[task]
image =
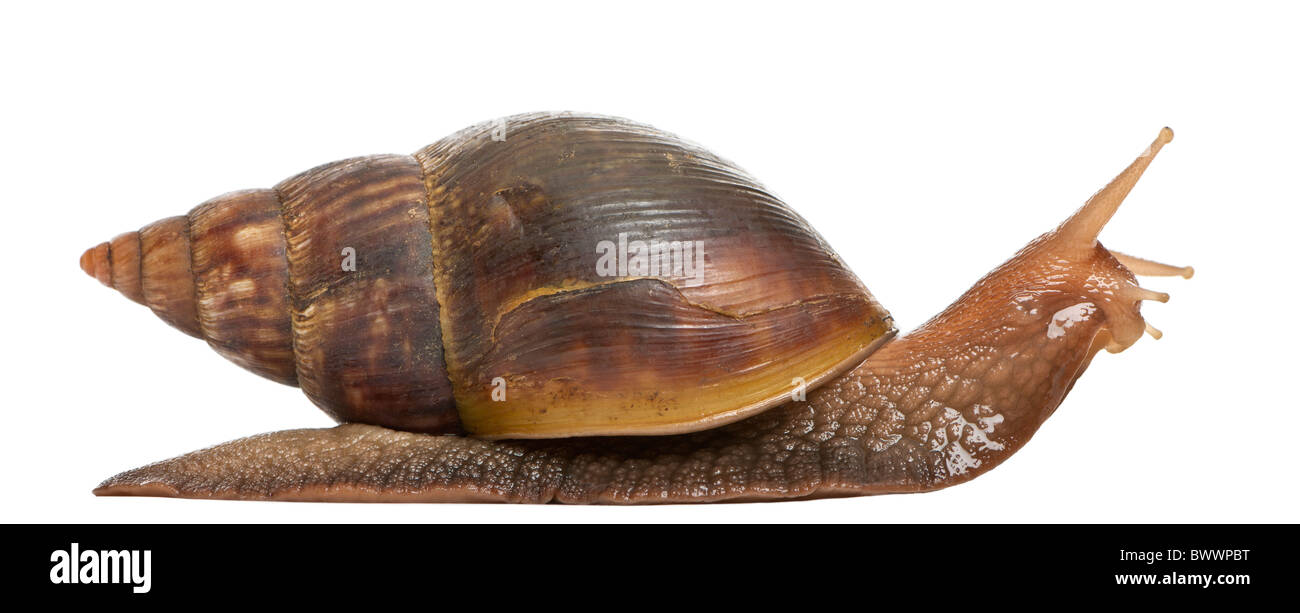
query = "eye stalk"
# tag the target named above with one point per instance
(1081, 229)
(1147, 268)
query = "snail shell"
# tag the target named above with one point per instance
(507, 284)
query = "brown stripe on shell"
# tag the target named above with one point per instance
(520, 219)
(368, 342)
(125, 259)
(241, 280)
(165, 278)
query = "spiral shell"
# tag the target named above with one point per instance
(479, 303)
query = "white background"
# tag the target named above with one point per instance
(927, 144)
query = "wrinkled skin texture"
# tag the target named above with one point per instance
(935, 408)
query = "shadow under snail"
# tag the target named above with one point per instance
(582, 309)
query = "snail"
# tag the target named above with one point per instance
(583, 309)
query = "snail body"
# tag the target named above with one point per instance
(641, 309)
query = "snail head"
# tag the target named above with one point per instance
(1066, 284)
(1074, 263)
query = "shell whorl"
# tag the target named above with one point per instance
(151, 267)
(259, 275)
